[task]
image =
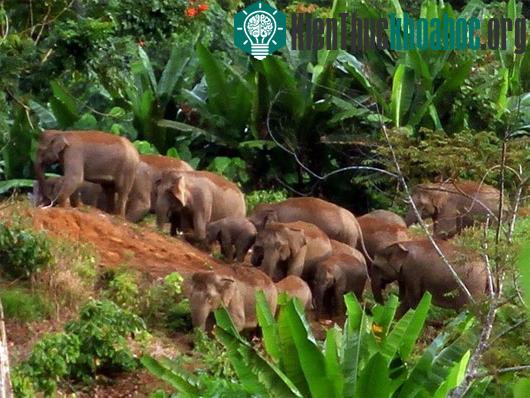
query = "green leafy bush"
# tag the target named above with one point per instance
(123, 289)
(101, 340)
(254, 198)
(234, 169)
(165, 305)
(23, 305)
(22, 252)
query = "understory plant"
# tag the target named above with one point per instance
(372, 356)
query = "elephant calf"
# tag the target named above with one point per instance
(208, 291)
(453, 205)
(236, 235)
(88, 193)
(294, 286)
(334, 277)
(418, 268)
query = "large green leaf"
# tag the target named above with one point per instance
(215, 78)
(147, 68)
(64, 106)
(402, 91)
(18, 148)
(8, 185)
(172, 73)
(268, 326)
(332, 360)
(374, 380)
(311, 358)
(186, 384)
(406, 331)
(257, 374)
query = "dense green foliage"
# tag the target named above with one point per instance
(98, 341)
(372, 356)
(22, 252)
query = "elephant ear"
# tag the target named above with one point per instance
(58, 144)
(398, 253)
(178, 190)
(438, 196)
(227, 289)
(270, 217)
(297, 240)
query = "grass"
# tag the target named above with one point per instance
(23, 305)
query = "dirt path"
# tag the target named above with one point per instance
(122, 243)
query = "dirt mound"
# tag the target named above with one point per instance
(122, 243)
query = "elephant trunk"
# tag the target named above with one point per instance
(269, 263)
(411, 217)
(199, 313)
(162, 211)
(39, 172)
(377, 287)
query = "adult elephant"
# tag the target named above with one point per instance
(418, 268)
(190, 200)
(335, 221)
(236, 291)
(380, 229)
(93, 156)
(283, 249)
(453, 205)
(143, 195)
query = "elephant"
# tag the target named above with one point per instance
(283, 249)
(338, 223)
(190, 200)
(380, 229)
(418, 268)
(208, 291)
(88, 193)
(143, 195)
(335, 276)
(453, 205)
(236, 235)
(341, 248)
(93, 156)
(294, 286)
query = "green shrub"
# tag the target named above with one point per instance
(123, 290)
(254, 198)
(22, 253)
(235, 169)
(24, 306)
(99, 341)
(165, 305)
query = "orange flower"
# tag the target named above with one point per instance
(191, 12)
(203, 7)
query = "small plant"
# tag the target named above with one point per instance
(23, 305)
(123, 290)
(99, 341)
(23, 253)
(254, 198)
(165, 304)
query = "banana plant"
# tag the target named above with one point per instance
(421, 81)
(150, 97)
(373, 356)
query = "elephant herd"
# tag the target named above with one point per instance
(306, 247)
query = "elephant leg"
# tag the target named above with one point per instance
(243, 245)
(71, 182)
(109, 193)
(137, 209)
(296, 265)
(175, 223)
(227, 248)
(75, 199)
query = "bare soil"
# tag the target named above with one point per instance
(120, 243)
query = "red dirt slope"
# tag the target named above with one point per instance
(122, 243)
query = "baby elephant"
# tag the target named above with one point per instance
(294, 286)
(334, 277)
(236, 235)
(236, 291)
(418, 268)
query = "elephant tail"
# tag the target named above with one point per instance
(361, 245)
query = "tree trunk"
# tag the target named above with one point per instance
(5, 381)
